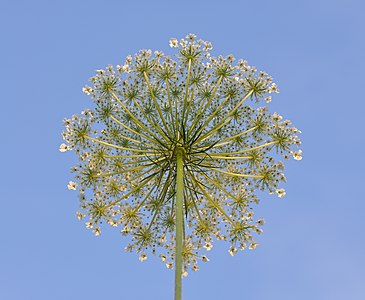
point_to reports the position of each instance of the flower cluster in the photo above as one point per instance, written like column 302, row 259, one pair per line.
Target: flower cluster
column 154, row 104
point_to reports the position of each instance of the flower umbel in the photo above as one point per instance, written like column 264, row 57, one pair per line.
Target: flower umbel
column 154, row 111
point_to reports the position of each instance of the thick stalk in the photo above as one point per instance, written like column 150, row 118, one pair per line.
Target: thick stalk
column 179, row 222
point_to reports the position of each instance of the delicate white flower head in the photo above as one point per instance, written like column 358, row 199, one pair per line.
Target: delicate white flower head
column 142, row 257
column 184, row 274
column 232, row 251
column 87, row 90
column 72, row 185
column 281, row 193
column 97, row 231
column 64, row 148
column 174, row 43
column 298, row 155
column 205, row 259
column 211, row 127
column 208, row 246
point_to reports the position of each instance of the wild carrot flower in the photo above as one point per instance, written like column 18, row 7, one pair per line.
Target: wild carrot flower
column 174, row 151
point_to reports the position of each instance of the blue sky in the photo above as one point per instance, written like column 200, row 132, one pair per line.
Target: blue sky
column 314, row 243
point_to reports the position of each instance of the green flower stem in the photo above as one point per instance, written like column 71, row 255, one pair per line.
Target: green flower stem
column 129, row 156
column 134, row 169
column 133, row 131
column 204, row 107
column 179, row 221
column 218, row 109
column 220, row 187
column 211, row 200
column 224, row 121
column 186, row 93
column 189, row 105
column 153, row 124
column 137, row 188
column 162, row 197
column 237, row 174
column 224, row 157
column 246, row 150
column 155, row 101
column 232, row 138
column 114, row 146
column 169, row 99
column 133, row 117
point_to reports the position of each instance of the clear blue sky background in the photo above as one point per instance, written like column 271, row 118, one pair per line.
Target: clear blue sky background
column 314, row 242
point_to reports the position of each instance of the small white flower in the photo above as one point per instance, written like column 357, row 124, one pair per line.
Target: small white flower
column 169, row 265
column 209, row 65
column 100, row 71
column 232, row 251
column 72, row 185
column 125, row 230
column 191, row 36
column 208, row 246
column 128, row 59
column 277, row 117
column 253, row 245
column 113, row 223
column 281, row 193
column 268, row 99
column 260, row 222
column 80, row 215
column 273, row 88
column 184, row 274
column 237, row 78
column 63, row 148
column 250, row 215
column 174, row 43
column 163, row 257
column 195, row 268
column 142, row 257
column 126, row 68
column 89, row 225
column 259, row 230
column 298, row 155
column 163, row 238
column 205, row 259
column 97, row 231
column 242, row 246
column 296, row 130
column 87, row 90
